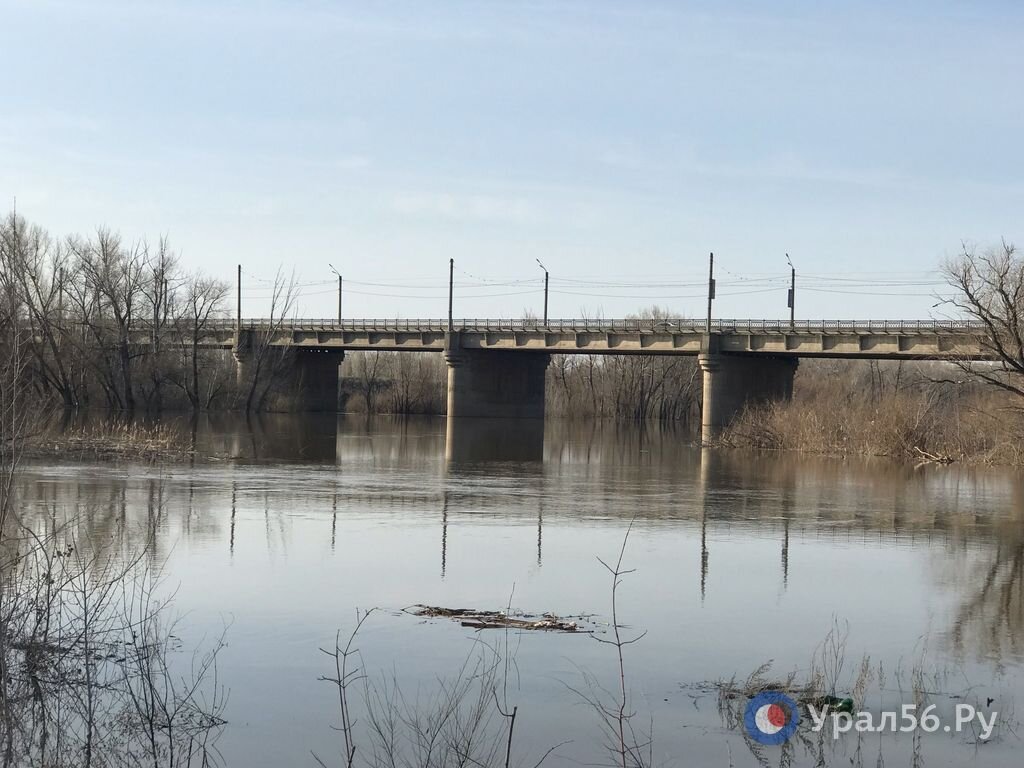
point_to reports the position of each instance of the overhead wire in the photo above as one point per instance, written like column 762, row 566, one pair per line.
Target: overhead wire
column 639, row 288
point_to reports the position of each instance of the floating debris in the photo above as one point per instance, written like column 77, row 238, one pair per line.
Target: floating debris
column 477, row 619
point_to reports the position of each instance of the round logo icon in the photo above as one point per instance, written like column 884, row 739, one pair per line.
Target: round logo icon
column 771, row 718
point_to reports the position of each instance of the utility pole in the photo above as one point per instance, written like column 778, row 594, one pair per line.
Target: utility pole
column 451, row 286
column 339, row 290
column 792, row 292
column 711, row 287
column 158, row 296
column 238, row 313
column 545, row 290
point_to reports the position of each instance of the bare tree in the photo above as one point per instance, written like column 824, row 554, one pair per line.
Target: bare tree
column 268, row 362
column 34, row 268
column 627, row 745
column 369, row 372
column 633, row 387
column 158, row 290
column 417, row 383
column 115, row 275
column 202, row 301
column 466, row 720
column 989, row 288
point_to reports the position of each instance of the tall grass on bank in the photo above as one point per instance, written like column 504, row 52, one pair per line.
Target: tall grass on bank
column 111, row 441
column 867, row 410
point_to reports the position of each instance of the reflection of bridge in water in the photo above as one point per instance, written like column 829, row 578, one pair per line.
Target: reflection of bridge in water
column 722, row 494
column 568, row 477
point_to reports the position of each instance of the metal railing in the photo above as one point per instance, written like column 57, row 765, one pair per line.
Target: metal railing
column 602, row 325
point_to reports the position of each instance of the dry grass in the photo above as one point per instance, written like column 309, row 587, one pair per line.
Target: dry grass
column 111, row 441
column 917, row 418
column 830, row 684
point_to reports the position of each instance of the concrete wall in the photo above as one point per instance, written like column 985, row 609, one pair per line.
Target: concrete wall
column 732, row 381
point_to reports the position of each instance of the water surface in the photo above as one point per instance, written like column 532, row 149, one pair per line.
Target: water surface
column 295, row 522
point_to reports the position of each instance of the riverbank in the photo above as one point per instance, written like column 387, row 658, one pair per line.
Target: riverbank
column 924, row 419
column 109, row 441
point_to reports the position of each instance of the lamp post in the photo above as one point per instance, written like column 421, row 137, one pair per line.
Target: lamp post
column 711, row 287
column 339, row 290
column 451, row 292
column 792, row 292
column 238, row 311
column 545, row 290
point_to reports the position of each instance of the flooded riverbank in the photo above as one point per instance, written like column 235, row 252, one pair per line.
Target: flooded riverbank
column 295, row 522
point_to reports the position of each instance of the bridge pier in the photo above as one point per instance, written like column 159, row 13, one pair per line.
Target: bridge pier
column 494, row 384
column 312, row 379
column 733, row 381
column 313, row 383
column 241, row 351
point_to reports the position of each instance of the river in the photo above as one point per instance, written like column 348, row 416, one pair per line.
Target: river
column 284, row 526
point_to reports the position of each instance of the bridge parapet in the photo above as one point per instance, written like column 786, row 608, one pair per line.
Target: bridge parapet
column 680, row 325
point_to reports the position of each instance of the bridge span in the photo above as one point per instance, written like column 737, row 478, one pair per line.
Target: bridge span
column 875, row 339
column 496, row 367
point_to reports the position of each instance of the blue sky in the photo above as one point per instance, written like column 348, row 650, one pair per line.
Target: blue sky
column 616, row 142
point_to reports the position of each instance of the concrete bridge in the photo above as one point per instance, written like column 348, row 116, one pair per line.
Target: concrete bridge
column 496, row 367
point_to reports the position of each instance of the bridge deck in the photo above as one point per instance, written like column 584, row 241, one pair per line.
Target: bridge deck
column 878, row 339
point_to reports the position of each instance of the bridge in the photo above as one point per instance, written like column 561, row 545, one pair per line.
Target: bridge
column 496, row 367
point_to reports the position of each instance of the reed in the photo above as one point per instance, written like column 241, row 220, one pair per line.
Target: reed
column 110, row 441
column 920, row 417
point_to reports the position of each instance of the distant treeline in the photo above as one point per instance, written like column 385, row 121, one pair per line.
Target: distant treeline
column 69, row 302
column 634, row 387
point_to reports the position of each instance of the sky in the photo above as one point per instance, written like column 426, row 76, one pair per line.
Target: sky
column 616, row 142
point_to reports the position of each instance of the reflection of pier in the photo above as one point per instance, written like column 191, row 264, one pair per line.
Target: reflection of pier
column 970, row 518
column 478, row 440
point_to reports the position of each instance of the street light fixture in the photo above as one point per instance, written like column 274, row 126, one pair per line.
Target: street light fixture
column 339, row 289
column 791, row 301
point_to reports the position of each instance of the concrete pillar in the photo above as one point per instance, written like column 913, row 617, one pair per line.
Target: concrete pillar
column 495, row 384
column 733, row 381
column 313, row 385
column 242, row 352
column 243, row 369
column 312, row 381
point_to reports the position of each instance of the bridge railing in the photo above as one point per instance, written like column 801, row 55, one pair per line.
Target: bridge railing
column 603, row 325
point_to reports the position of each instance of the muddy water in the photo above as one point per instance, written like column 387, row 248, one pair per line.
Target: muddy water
column 294, row 523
